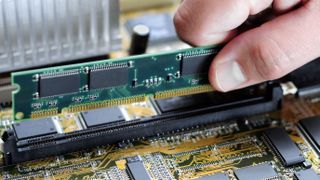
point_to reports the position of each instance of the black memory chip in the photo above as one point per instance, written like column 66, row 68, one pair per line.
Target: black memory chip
column 34, row 128
column 108, row 77
column 284, row 147
column 310, row 129
column 196, row 64
column 218, row 176
column 54, row 85
column 102, row 116
column 258, row 172
column 307, row 174
column 137, row 169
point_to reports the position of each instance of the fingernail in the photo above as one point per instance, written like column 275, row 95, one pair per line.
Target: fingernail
column 229, row 75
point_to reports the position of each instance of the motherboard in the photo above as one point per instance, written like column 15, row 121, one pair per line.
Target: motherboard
column 265, row 132
column 258, row 147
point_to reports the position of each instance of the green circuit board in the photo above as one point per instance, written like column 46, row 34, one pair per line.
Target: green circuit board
column 73, row 88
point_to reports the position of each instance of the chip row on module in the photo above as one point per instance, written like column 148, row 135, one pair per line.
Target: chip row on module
column 80, row 87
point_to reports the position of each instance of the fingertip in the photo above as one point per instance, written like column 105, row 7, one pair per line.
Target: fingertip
column 227, row 74
column 283, row 6
column 258, row 5
column 212, row 79
column 209, row 39
column 204, row 22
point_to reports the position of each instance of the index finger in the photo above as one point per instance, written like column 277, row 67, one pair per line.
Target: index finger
column 204, row 22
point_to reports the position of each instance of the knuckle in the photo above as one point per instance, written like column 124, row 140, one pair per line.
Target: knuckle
column 184, row 25
column 179, row 19
column 182, row 22
column 270, row 73
column 271, row 61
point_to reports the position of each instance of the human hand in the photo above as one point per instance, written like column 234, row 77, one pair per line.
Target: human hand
column 264, row 53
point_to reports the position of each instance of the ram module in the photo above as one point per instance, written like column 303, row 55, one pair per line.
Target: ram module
column 72, row 88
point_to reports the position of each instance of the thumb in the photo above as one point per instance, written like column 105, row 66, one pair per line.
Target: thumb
column 270, row 51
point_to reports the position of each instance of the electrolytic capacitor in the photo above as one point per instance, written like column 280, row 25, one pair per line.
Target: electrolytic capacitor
column 139, row 39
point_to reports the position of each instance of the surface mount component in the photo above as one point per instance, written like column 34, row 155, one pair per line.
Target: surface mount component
column 108, row 77
column 283, row 146
column 64, row 83
column 196, row 65
column 258, row 172
column 218, row 176
column 310, row 130
column 307, row 174
column 136, row 169
column 102, row 116
column 36, row 128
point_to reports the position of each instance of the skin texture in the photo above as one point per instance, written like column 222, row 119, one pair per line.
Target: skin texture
column 264, row 53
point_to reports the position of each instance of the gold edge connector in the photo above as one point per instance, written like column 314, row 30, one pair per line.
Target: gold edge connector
column 105, row 103
column 44, row 113
column 121, row 101
column 183, row 91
